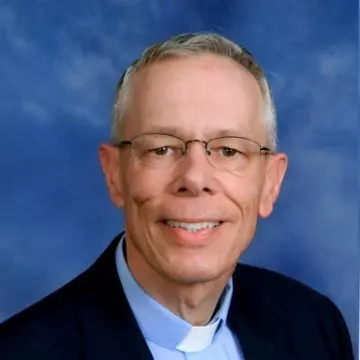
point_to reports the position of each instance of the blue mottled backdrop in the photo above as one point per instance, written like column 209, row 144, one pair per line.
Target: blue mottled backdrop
column 59, row 63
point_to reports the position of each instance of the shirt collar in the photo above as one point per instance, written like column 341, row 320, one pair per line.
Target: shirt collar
column 160, row 325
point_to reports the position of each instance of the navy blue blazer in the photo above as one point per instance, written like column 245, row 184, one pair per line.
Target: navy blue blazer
column 274, row 317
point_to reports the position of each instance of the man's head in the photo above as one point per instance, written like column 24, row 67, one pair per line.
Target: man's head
column 191, row 212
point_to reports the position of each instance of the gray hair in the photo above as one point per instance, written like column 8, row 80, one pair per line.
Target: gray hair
column 186, row 45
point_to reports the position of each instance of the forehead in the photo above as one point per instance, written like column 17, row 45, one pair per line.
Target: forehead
column 199, row 95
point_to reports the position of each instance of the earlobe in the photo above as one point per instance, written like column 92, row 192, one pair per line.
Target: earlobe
column 276, row 169
column 110, row 163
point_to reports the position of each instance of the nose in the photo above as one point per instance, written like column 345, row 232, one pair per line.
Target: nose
column 195, row 172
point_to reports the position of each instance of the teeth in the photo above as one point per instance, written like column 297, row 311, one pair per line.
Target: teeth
column 193, row 227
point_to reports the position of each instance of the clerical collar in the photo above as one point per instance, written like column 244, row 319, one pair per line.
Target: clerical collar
column 161, row 326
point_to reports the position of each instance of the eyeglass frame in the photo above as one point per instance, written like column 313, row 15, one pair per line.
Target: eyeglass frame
column 123, row 143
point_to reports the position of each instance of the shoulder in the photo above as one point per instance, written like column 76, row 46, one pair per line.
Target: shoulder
column 274, row 285
column 278, row 303
column 54, row 327
column 45, row 327
column 276, row 291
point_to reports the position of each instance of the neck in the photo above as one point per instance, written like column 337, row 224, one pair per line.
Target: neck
column 195, row 302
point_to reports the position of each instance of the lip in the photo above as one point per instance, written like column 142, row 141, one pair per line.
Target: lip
column 192, row 220
column 196, row 239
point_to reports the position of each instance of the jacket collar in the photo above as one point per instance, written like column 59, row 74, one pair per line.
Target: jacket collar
column 109, row 326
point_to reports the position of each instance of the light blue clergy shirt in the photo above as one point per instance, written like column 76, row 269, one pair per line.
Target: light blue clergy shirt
column 170, row 337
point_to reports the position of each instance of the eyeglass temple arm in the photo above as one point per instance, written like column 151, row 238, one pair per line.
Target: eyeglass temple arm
column 265, row 148
column 123, row 143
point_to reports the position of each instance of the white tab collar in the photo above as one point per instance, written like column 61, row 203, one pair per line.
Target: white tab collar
column 198, row 338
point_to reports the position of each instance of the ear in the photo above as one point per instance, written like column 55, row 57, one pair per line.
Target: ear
column 275, row 172
column 111, row 166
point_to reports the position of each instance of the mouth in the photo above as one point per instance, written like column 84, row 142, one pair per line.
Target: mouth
column 193, row 226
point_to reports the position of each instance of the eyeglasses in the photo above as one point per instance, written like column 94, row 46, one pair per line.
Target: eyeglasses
column 229, row 153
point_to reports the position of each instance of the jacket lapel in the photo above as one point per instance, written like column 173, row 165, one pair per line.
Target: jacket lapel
column 256, row 341
column 109, row 329
column 257, row 346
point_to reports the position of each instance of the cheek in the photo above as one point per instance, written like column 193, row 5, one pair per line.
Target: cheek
column 143, row 187
column 243, row 191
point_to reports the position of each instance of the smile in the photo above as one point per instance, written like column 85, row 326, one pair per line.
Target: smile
column 193, row 226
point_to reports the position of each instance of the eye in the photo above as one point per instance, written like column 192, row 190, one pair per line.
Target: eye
column 161, row 151
column 228, row 152
column 165, row 151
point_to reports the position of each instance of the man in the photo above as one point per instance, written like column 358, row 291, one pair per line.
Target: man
column 193, row 163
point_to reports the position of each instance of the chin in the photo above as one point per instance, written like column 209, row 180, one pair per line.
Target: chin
column 196, row 265
column 194, row 274
column 192, row 279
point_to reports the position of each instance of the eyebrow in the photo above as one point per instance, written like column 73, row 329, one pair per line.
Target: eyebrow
column 210, row 134
column 170, row 130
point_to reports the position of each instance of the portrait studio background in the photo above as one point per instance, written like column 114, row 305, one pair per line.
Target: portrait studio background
column 60, row 62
